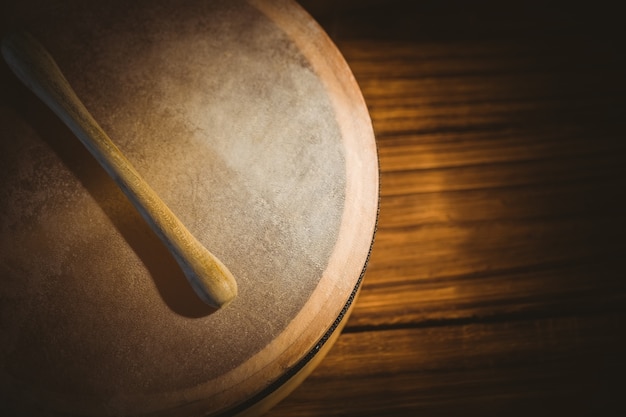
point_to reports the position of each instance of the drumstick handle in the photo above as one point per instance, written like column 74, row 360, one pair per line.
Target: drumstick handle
column 34, row 66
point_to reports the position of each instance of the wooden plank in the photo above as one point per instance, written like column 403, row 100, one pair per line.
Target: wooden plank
column 548, row 200
column 596, row 167
column 428, row 59
column 431, row 251
column 458, row 20
column 453, row 149
column 539, row 291
column 417, row 90
column 489, row 115
column 480, row 369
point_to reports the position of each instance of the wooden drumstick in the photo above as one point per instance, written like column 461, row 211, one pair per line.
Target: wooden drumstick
column 34, row 66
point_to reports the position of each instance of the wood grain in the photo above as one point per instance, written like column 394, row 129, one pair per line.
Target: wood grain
column 497, row 283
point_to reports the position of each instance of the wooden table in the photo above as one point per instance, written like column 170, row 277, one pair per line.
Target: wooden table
column 497, row 283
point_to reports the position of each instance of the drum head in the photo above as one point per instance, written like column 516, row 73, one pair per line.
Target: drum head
column 245, row 119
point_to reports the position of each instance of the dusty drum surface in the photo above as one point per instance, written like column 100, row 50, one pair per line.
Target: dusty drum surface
column 248, row 123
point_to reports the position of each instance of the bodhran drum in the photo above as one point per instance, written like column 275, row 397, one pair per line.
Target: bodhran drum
column 245, row 119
